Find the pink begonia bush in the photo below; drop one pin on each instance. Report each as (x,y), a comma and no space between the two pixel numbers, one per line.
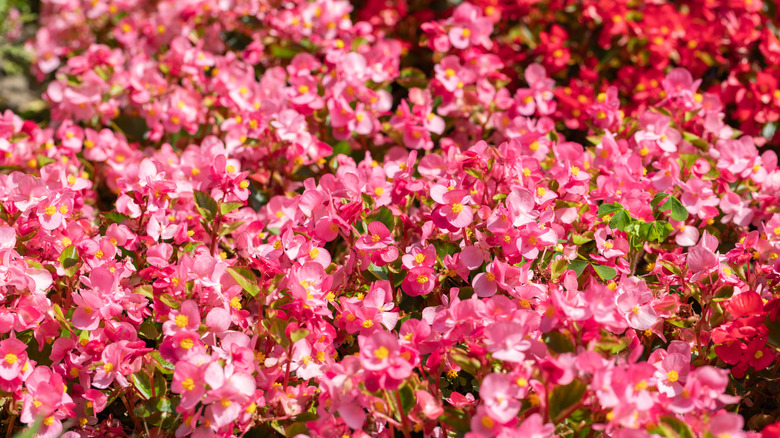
(254,218)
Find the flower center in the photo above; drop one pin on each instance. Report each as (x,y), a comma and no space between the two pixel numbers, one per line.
(182,321)
(188,384)
(381,353)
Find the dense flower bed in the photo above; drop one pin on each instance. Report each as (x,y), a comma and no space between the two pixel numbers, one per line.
(486,219)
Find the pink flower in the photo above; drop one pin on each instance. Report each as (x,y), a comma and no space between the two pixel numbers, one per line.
(229,393)
(186,318)
(470,27)
(485,284)
(635,304)
(88,314)
(188,381)
(727,424)
(381,354)
(680,88)
(498,396)
(452,75)
(13,358)
(507,340)
(656,132)
(419,281)
(455,212)
(428,405)
(698,197)
(116,365)
(672,374)
(533,426)
(420,257)
(701,258)
(378,237)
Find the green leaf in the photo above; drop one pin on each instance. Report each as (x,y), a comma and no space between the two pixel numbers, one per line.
(17,137)
(379,272)
(475,173)
(657,199)
(277,329)
(190,247)
(69,260)
(145,290)
(558,342)
(620,220)
(679,212)
(594,139)
(58,315)
(341,148)
(229,227)
(115,217)
(44,160)
(143,383)
(605,272)
(227,207)
(774,330)
(671,267)
(246,279)
(407,399)
(459,424)
(161,411)
(565,397)
(611,344)
(384,215)
(696,140)
(663,230)
(580,239)
(578,266)
(206,205)
(169,301)
(32,431)
(723,293)
(645,231)
(161,364)
(148,330)
(469,364)
(445,248)
(411,77)
(283,52)
(299,334)
(673,427)
(605,209)
(160,385)
(558,267)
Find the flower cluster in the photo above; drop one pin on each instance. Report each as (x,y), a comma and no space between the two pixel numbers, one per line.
(318,218)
